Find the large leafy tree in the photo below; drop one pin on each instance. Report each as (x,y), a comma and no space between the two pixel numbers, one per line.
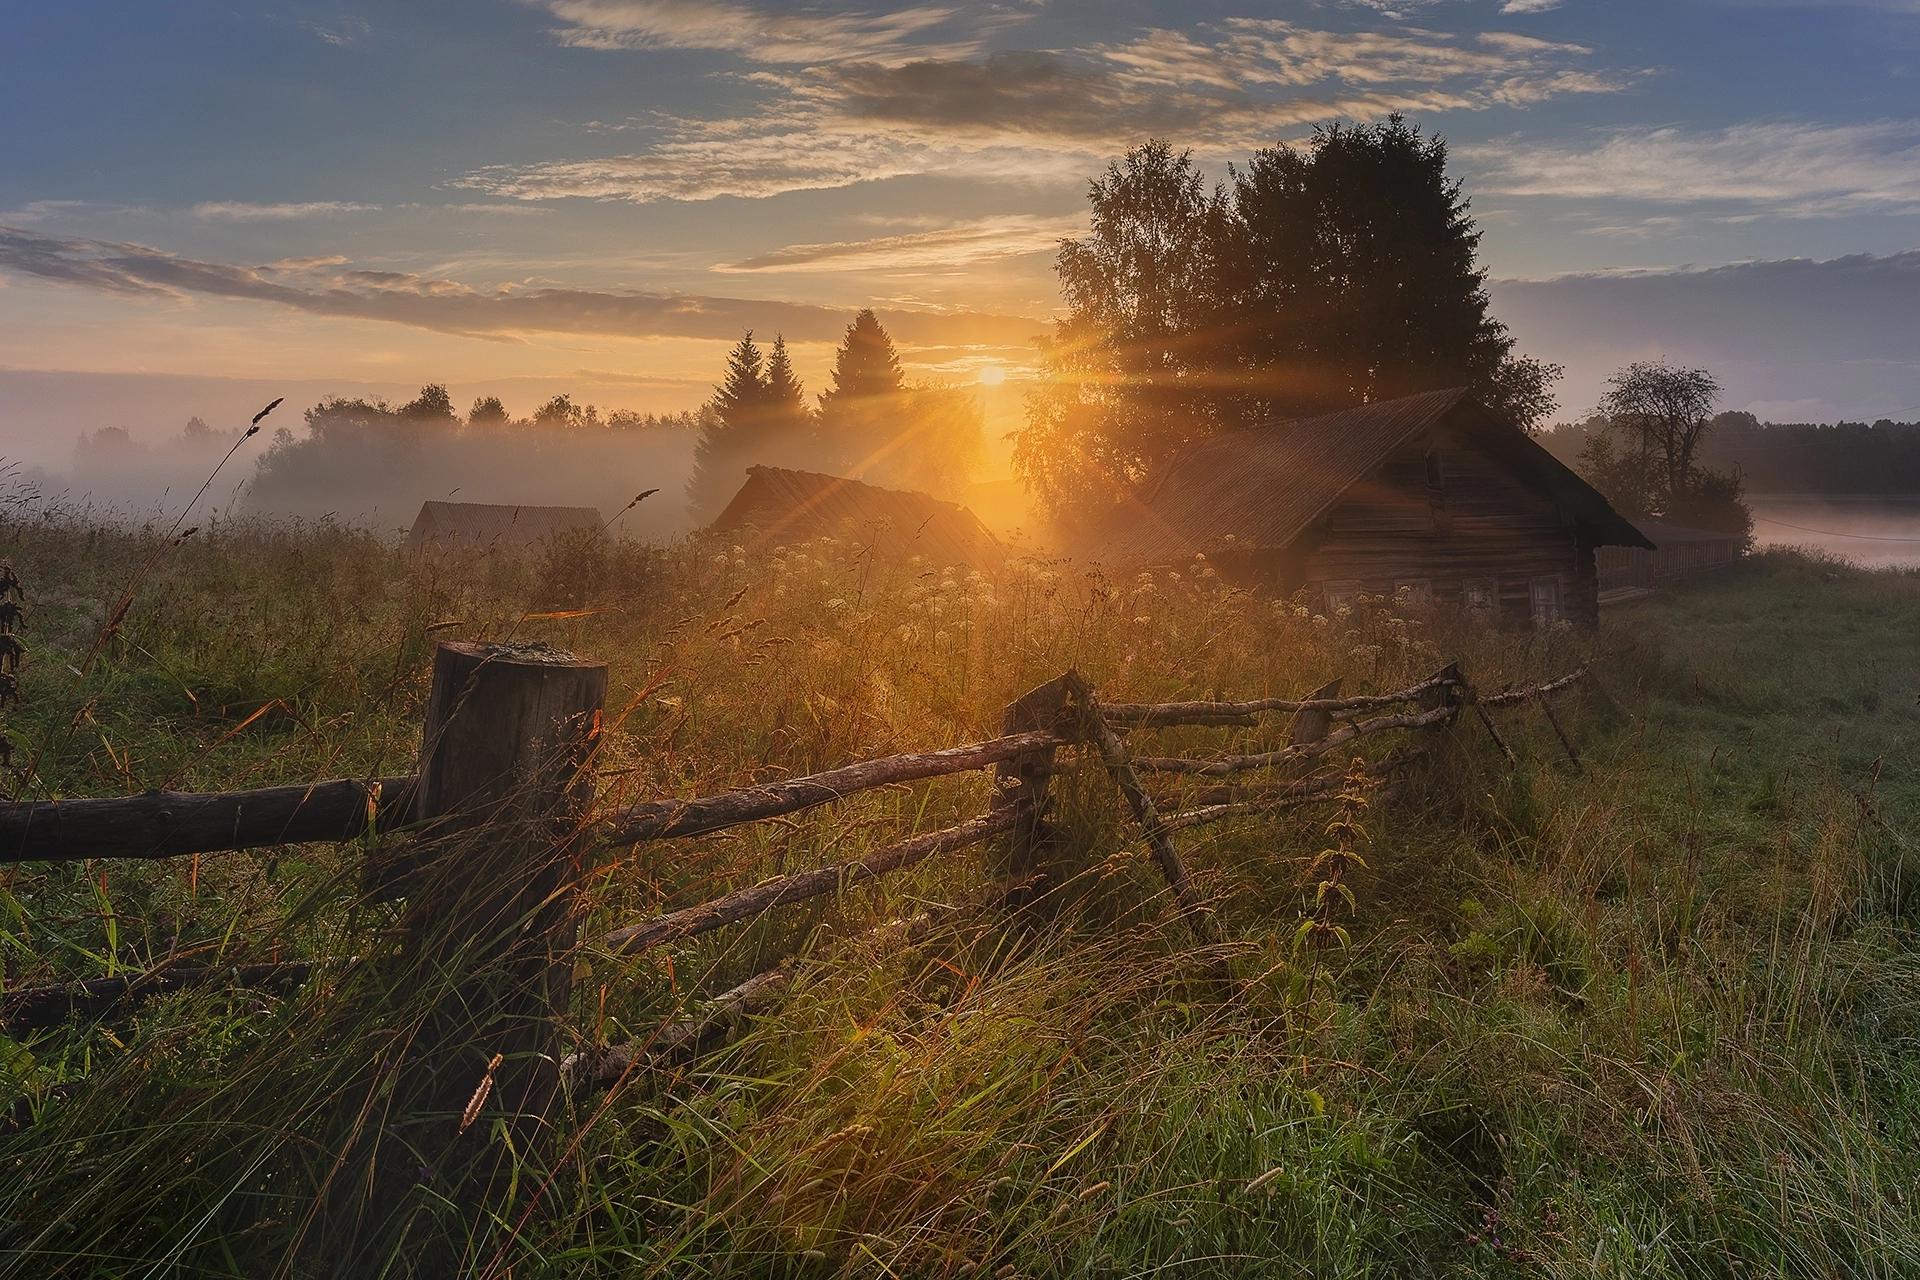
(1328,276)
(432,406)
(1645,454)
(1132,368)
(1353,274)
(487,411)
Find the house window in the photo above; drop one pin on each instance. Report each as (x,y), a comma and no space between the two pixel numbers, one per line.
(1481,597)
(1341,594)
(1548,605)
(1416,594)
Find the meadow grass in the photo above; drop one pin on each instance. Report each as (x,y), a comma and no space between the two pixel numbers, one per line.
(1656,1016)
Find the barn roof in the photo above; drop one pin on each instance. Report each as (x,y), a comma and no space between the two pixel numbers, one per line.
(792,506)
(1262,487)
(498,522)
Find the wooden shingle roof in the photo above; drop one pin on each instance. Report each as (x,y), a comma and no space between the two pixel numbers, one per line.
(492,523)
(784,506)
(1261,488)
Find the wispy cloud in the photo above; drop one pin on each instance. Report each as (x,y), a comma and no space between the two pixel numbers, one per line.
(339,32)
(760,32)
(245,211)
(980,241)
(1035,115)
(328,287)
(1782,168)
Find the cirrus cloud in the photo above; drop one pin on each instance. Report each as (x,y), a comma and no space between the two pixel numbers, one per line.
(328,287)
(1783,168)
(1040,115)
(980,241)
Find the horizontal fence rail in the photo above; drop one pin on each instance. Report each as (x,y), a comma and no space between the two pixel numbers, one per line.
(1227,765)
(1514,697)
(170,824)
(664,819)
(802,885)
(31,1008)
(1159,714)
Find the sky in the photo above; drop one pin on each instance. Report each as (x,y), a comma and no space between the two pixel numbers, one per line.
(206,204)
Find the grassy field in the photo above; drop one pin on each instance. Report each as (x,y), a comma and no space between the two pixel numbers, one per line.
(1653,1017)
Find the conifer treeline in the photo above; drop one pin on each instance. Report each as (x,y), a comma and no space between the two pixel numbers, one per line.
(870,422)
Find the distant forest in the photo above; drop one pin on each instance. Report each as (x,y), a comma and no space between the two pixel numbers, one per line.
(371,461)
(1845,458)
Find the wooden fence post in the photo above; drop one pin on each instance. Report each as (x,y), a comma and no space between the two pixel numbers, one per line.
(1313,725)
(506,782)
(1025,783)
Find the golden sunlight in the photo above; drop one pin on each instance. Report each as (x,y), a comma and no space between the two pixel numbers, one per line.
(992,375)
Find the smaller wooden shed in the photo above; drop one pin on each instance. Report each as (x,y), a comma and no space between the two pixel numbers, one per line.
(1678,553)
(492,524)
(777,506)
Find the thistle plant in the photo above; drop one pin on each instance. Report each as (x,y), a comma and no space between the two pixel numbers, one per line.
(1323,923)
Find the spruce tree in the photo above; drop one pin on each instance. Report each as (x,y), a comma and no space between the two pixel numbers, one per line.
(786,398)
(731,434)
(856,412)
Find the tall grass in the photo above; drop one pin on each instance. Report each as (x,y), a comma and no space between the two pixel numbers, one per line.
(1653,1017)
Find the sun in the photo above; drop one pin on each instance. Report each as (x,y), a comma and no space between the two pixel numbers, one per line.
(992,375)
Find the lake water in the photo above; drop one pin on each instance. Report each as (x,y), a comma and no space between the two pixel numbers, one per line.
(1878,532)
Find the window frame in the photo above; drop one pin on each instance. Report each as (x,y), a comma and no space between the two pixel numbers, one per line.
(1491,585)
(1339,593)
(1558,613)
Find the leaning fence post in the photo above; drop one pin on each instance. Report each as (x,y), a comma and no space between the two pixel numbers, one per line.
(1025,783)
(505,785)
(1312,724)
(1444,688)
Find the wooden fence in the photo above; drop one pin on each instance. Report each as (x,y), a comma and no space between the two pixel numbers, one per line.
(505,831)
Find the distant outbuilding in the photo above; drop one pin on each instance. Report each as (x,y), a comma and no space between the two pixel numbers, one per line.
(1678,553)
(1430,494)
(778,506)
(491,524)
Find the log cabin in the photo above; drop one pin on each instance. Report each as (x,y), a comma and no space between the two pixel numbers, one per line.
(496,524)
(1429,494)
(780,506)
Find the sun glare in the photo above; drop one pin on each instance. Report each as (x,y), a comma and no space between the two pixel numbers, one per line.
(992,375)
